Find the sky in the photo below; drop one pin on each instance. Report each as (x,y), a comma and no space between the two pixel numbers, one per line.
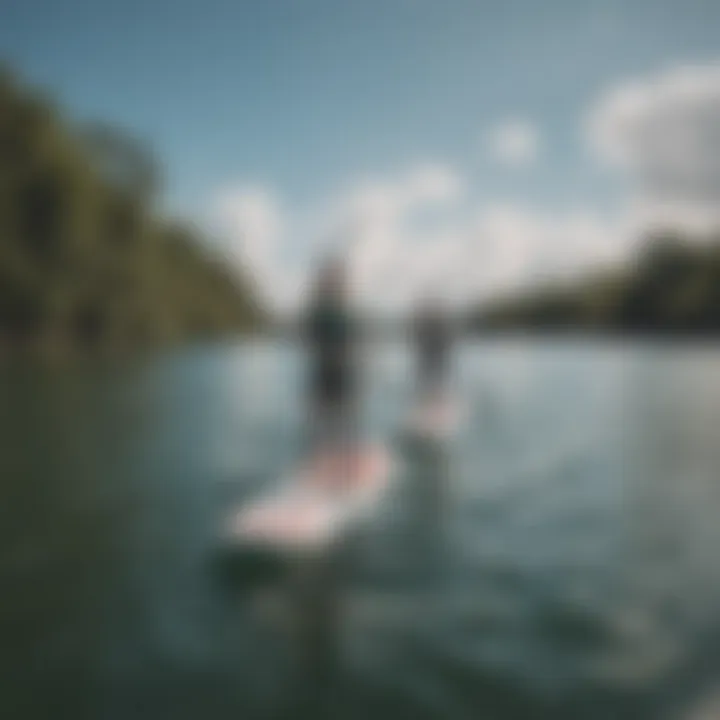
(462,146)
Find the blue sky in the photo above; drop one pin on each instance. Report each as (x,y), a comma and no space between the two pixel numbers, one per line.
(304,98)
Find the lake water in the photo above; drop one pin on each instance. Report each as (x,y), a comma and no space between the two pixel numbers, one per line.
(577,574)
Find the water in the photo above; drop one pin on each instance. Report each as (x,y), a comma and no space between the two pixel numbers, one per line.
(575,575)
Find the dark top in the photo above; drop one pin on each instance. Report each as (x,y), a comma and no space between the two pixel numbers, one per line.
(433,340)
(330,334)
(432,334)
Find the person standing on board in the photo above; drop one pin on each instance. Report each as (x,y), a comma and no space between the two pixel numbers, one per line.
(433,339)
(331,338)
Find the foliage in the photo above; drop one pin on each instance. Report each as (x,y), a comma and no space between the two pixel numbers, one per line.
(672,288)
(85,258)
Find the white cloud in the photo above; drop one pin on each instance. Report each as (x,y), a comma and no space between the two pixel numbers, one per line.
(432,184)
(379,223)
(249,229)
(397,253)
(369,221)
(508,247)
(391,251)
(419,230)
(664,133)
(470,252)
(514,142)
(383,200)
(250,216)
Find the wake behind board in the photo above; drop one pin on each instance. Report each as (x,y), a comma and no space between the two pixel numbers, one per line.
(310,512)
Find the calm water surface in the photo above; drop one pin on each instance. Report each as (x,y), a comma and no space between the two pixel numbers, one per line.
(576,575)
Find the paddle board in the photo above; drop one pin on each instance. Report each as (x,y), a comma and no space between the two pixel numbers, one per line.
(306,514)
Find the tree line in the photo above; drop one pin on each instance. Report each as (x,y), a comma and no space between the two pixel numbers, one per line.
(86,259)
(672,288)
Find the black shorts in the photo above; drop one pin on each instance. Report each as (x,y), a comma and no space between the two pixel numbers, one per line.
(433,367)
(332,385)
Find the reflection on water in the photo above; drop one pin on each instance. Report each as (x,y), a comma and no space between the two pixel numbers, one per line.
(570,574)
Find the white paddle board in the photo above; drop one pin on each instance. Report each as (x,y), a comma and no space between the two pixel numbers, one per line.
(306,514)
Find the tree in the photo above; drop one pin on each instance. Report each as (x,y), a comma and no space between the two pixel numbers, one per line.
(86,260)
